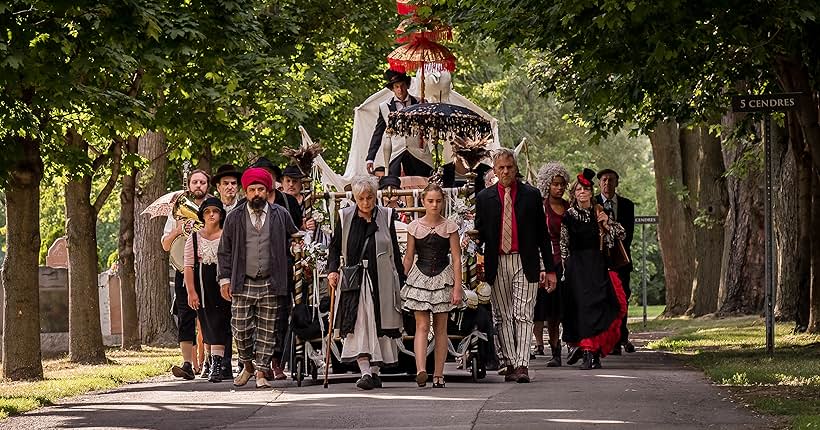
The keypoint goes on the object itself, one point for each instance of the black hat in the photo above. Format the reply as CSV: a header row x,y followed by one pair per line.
x,y
264,163
585,177
608,171
389,181
293,172
212,202
392,76
225,170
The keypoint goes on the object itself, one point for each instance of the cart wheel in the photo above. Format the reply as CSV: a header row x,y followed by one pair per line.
x,y
300,371
314,372
474,365
482,373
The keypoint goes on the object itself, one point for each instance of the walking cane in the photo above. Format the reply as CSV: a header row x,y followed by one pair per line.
x,y
332,291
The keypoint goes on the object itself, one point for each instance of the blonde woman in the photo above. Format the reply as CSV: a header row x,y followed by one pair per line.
x,y
433,266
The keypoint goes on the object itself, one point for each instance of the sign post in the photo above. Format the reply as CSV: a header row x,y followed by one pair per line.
x,y
643,221
768,103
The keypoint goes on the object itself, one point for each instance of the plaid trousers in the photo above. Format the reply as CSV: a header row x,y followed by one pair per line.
x,y
253,322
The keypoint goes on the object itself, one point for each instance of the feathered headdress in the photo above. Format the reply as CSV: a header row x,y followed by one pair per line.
x,y
471,151
303,156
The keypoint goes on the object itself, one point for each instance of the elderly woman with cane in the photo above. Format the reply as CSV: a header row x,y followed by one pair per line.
x,y
365,250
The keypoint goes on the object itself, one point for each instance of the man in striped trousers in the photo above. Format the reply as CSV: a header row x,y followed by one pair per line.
x,y
517,258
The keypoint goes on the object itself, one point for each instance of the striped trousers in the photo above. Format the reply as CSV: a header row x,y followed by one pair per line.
x,y
513,299
253,322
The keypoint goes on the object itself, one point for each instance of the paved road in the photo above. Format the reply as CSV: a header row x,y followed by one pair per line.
x,y
645,389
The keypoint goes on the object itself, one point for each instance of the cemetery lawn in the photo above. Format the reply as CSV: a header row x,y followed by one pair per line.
x,y
732,353
65,379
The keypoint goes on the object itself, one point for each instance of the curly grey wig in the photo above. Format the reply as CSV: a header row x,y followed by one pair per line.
x,y
547,173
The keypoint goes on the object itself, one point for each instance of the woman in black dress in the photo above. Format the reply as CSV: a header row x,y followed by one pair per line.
x,y
594,299
213,311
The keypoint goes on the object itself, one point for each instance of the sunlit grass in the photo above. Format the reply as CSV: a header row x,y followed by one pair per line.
x,y
65,379
732,353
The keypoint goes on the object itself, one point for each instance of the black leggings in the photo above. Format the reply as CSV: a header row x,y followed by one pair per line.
x,y
186,317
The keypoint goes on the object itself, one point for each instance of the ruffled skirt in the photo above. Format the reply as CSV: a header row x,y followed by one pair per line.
x,y
428,293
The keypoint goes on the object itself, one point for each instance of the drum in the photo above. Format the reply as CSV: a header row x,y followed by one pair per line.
x,y
177,253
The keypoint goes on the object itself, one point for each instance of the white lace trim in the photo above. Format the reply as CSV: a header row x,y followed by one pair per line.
x,y
420,231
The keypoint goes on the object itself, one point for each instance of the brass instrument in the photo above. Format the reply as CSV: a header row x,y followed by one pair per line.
x,y
186,212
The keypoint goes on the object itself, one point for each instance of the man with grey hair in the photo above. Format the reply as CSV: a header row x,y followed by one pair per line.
x,y
517,258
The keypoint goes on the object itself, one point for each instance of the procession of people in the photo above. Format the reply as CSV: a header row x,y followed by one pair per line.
x,y
549,262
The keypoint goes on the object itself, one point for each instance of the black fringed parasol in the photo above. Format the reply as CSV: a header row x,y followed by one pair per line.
x,y
438,121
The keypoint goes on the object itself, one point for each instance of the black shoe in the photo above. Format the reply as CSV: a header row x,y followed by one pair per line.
x,y
438,382
587,363
366,383
629,347
206,368
377,381
575,354
186,371
227,372
216,369
555,361
616,350
596,361
539,350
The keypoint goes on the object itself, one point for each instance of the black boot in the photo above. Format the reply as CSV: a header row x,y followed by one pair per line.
x,y
596,361
216,369
574,355
206,367
587,363
227,369
555,361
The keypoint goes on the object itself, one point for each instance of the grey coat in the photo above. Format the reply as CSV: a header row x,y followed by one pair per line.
x,y
231,254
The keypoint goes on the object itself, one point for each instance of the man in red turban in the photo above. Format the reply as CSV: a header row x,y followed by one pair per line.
x,y
253,271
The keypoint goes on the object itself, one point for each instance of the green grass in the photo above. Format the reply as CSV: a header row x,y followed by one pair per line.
x,y
64,379
652,312
731,352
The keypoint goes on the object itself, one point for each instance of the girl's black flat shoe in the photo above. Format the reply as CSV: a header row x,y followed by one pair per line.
x,y
438,383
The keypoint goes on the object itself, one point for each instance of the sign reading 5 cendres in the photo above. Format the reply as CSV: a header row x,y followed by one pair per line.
x,y
767,102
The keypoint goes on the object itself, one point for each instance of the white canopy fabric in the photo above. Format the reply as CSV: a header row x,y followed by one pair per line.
x,y
437,88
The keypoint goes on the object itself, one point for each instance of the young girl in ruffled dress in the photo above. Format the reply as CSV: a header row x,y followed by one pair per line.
x,y
433,266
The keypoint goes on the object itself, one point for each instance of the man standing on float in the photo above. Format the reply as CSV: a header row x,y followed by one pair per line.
x,y
406,156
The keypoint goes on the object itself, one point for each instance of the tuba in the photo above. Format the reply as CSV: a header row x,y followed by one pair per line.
x,y
186,212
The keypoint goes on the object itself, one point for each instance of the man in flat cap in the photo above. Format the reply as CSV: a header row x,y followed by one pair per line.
x,y
408,155
623,210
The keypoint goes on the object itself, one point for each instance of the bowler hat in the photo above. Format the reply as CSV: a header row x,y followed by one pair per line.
x,y
212,202
389,181
293,172
225,170
264,163
392,76
608,171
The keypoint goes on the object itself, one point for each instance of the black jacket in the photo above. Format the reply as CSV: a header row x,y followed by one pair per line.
x,y
533,240
381,126
626,218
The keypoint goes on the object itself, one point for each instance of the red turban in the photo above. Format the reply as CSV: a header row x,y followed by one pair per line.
x,y
257,175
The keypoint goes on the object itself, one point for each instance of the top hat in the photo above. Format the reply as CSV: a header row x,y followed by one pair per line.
x,y
392,76
225,170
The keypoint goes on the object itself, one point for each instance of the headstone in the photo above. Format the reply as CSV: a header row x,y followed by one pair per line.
x,y
57,256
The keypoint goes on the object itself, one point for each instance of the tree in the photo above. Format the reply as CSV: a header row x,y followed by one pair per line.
x,y
126,267
618,65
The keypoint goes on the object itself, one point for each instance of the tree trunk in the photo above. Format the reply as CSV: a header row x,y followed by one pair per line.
x,y
675,230
787,221
709,196
21,304
814,305
206,158
741,288
130,319
84,330
157,327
